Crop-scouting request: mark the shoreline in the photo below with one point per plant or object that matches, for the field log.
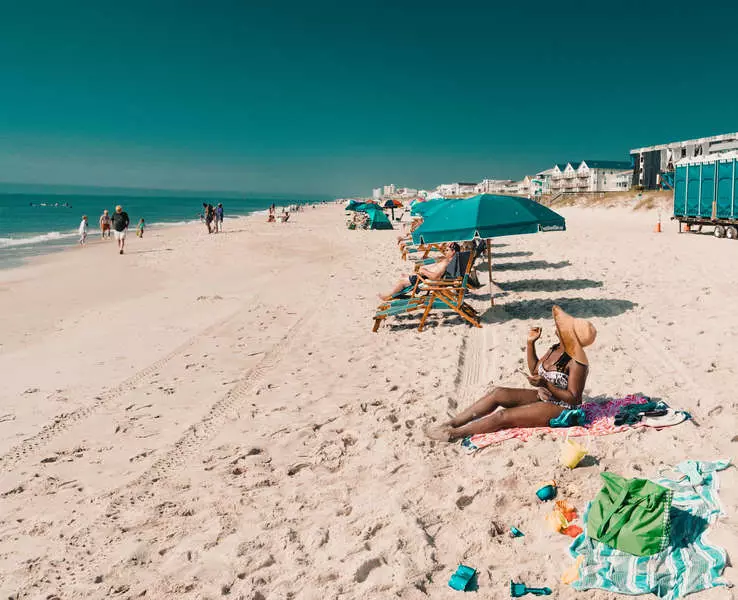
(21, 250)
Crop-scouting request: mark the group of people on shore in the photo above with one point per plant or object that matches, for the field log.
(118, 223)
(273, 217)
(213, 217)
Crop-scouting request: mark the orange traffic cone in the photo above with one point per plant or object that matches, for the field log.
(657, 229)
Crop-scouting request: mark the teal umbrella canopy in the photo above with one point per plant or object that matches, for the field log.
(427, 207)
(486, 216)
(377, 218)
(355, 205)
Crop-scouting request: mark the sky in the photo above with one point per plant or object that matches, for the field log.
(335, 98)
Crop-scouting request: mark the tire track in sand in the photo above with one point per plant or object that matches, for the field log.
(470, 369)
(181, 453)
(61, 423)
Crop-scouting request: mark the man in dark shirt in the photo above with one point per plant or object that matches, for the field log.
(120, 226)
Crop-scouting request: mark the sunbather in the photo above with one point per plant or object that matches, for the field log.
(433, 272)
(558, 382)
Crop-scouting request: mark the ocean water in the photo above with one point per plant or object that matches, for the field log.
(32, 224)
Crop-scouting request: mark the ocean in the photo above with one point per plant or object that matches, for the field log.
(32, 224)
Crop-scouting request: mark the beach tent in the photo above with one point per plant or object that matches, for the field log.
(377, 218)
(354, 205)
(486, 216)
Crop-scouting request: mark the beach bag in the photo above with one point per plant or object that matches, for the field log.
(631, 515)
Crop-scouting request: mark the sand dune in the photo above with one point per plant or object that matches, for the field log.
(212, 416)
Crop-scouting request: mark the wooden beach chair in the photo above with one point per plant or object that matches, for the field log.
(424, 249)
(428, 295)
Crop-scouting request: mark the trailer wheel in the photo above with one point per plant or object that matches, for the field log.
(719, 231)
(731, 233)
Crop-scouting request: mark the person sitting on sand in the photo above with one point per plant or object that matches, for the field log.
(558, 382)
(434, 272)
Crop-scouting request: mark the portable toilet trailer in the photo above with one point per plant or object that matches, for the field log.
(705, 193)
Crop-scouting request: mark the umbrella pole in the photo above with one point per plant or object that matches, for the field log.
(489, 270)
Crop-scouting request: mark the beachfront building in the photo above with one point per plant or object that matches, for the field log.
(492, 186)
(377, 193)
(407, 192)
(587, 176)
(457, 189)
(650, 163)
(389, 190)
(603, 175)
(544, 177)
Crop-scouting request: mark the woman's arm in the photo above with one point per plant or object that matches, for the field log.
(573, 393)
(532, 356)
(530, 349)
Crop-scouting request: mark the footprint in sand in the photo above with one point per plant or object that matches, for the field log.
(330, 455)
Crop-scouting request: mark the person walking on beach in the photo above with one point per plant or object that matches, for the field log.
(104, 224)
(219, 217)
(209, 216)
(120, 225)
(83, 231)
(140, 228)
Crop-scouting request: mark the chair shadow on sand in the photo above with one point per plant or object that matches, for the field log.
(541, 309)
(516, 254)
(548, 285)
(529, 265)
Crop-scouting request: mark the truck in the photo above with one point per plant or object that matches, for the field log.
(705, 190)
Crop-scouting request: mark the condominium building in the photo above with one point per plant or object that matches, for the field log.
(377, 193)
(457, 189)
(389, 190)
(588, 176)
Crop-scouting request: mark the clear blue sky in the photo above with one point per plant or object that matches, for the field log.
(337, 97)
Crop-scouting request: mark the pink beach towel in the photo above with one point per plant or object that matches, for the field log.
(599, 420)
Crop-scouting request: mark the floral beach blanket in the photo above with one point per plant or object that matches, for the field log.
(599, 420)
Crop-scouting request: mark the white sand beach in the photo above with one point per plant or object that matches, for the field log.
(212, 416)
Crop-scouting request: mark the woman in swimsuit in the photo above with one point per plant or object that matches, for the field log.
(558, 382)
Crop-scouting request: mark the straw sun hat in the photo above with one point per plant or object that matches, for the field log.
(575, 334)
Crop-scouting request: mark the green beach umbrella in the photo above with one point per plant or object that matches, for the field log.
(427, 207)
(486, 216)
(354, 205)
(377, 218)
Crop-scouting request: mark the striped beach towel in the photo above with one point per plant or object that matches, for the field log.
(599, 420)
(689, 564)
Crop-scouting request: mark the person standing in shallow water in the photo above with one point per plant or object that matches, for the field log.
(120, 226)
(557, 379)
(83, 231)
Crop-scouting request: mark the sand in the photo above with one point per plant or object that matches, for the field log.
(212, 416)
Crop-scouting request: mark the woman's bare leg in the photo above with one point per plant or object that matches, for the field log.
(537, 414)
(498, 397)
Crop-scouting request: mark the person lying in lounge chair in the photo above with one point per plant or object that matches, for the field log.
(433, 272)
(557, 381)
